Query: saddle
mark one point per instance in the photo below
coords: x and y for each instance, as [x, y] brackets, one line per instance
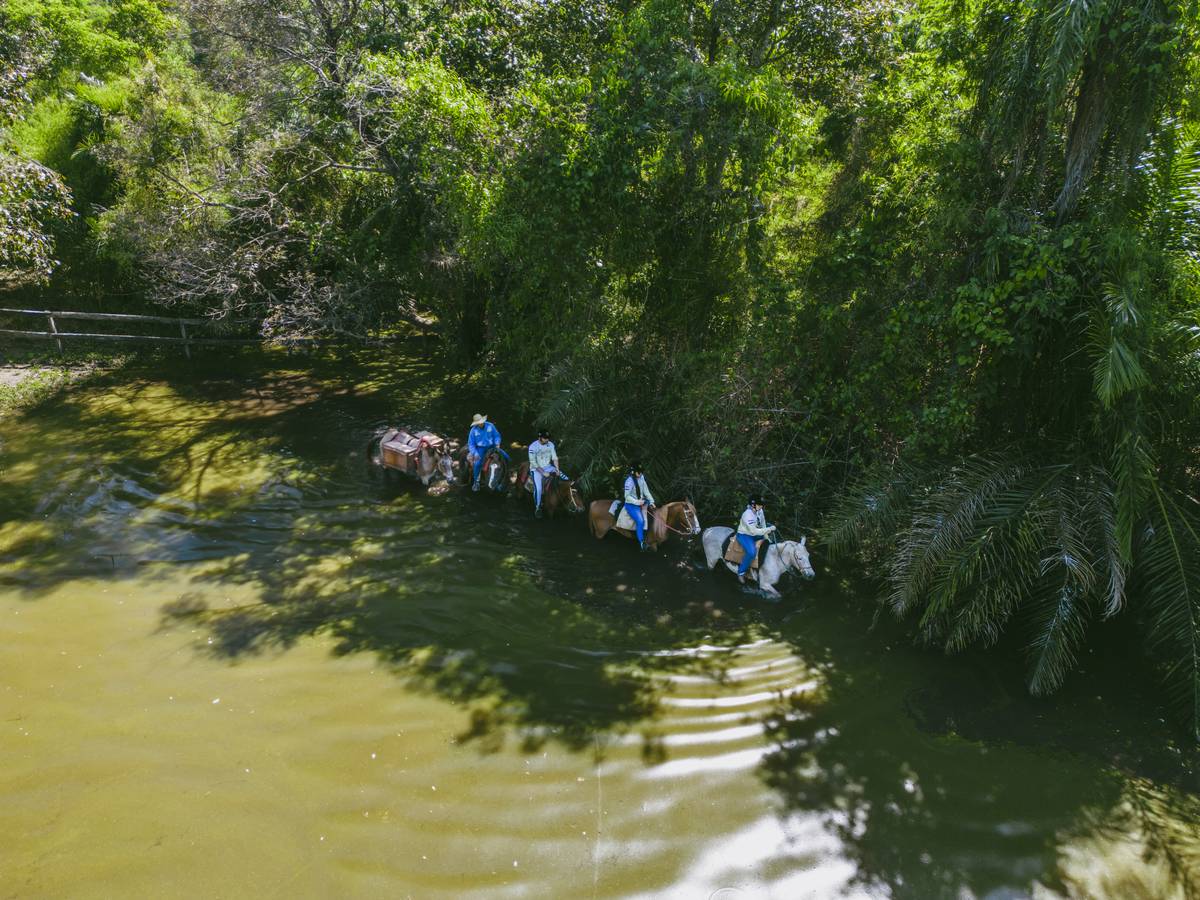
[733, 553]
[625, 520]
[400, 448]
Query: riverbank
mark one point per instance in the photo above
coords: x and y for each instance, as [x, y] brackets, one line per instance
[23, 386]
[33, 373]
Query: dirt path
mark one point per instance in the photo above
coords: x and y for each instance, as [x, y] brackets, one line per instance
[11, 376]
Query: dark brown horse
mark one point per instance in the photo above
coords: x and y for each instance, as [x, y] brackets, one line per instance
[677, 518]
[494, 473]
[557, 493]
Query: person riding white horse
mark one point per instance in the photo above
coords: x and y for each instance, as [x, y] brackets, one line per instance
[543, 464]
[752, 526]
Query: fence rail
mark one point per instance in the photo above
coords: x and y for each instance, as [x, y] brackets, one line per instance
[52, 315]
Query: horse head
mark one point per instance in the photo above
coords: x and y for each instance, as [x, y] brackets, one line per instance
[445, 466]
[574, 499]
[795, 555]
[690, 517]
[494, 463]
[427, 464]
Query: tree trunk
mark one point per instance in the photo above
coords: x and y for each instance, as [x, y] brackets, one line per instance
[1087, 128]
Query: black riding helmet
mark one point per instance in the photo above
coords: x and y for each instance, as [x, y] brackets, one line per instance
[755, 500]
[544, 434]
[635, 468]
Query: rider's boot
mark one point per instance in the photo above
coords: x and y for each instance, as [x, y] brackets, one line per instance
[475, 485]
[537, 512]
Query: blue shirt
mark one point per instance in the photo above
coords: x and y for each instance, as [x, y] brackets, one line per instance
[482, 437]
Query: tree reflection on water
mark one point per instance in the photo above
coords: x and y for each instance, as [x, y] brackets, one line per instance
[956, 811]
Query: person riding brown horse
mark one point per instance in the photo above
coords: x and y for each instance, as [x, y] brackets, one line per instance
[676, 518]
[558, 494]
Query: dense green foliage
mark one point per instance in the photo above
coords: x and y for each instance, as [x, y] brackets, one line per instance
[928, 268]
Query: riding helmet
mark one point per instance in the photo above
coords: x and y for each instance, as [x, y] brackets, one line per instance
[755, 500]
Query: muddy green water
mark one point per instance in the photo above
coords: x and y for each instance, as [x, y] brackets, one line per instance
[236, 661]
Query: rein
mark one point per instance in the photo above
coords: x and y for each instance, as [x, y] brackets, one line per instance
[668, 525]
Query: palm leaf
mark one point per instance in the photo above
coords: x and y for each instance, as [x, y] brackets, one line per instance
[1169, 573]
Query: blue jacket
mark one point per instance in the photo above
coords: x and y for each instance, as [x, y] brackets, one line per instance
[482, 437]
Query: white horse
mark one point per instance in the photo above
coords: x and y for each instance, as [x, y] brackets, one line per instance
[775, 559]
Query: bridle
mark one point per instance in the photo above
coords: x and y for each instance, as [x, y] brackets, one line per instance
[439, 465]
[572, 505]
[692, 520]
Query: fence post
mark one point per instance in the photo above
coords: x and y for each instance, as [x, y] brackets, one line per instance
[187, 347]
[54, 330]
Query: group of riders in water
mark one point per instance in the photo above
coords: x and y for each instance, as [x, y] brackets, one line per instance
[752, 551]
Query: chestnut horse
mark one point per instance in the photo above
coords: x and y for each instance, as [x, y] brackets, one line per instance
[557, 493]
[678, 517]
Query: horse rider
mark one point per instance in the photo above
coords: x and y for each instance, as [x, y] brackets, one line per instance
[637, 499]
[482, 437]
[752, 526]
[543, 464]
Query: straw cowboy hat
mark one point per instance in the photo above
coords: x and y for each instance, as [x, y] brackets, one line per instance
[478, 419]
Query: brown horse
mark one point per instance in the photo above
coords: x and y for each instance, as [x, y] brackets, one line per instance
[557, 493]
[678, 518]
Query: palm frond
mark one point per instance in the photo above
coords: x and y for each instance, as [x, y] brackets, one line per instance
[1059, 621]
[1169, 575]
[1073, 26]
[943, 522]
[872, 509]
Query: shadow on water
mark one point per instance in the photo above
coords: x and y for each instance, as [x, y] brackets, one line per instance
[940, 777]
[139, 465]
[520, 656]
[255, 475]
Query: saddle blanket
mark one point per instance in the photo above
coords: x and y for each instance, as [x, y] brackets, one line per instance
[625, 521]
[734, 552]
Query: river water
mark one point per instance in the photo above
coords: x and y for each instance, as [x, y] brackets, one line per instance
[236, 660]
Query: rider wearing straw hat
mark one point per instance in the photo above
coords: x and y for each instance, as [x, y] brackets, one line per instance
[482, 437]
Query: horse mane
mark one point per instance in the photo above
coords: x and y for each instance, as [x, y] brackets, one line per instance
[658, 524]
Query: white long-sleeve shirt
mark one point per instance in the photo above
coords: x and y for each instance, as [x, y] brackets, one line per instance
[631, 490]
[753, 523]
[542, 455]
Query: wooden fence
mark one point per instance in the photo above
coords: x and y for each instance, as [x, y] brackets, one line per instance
[53, 316]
